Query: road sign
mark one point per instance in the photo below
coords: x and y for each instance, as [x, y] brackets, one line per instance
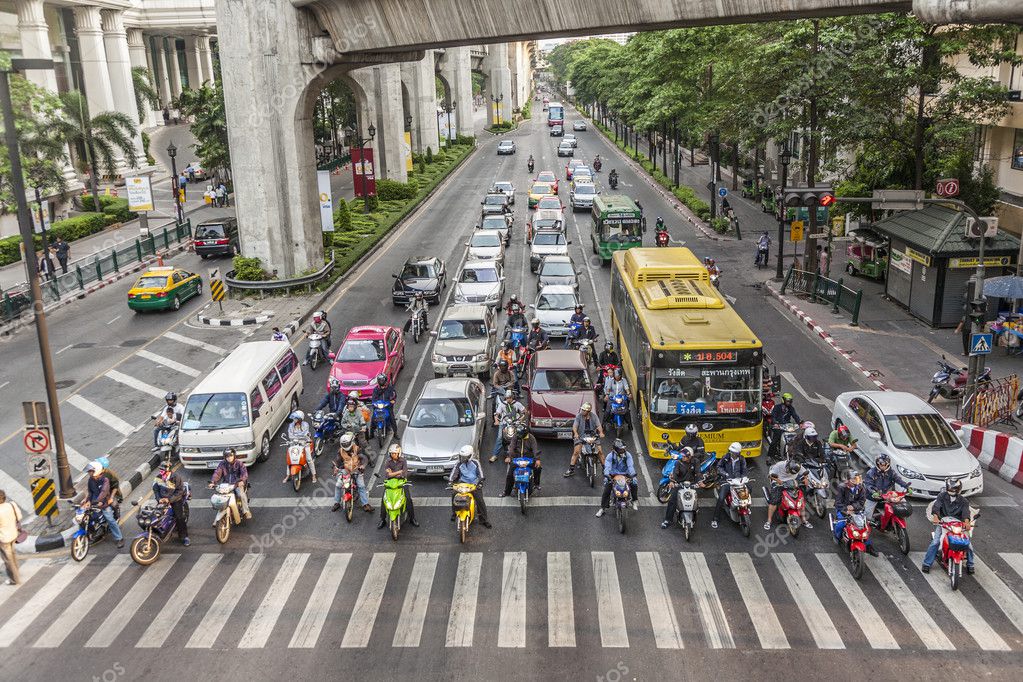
[796, 231]
[140, 193]
[217, 289]
[39, 466]
[980, 344]
[817, 235]
[44, 496]
[36, 441]
[948, 187]
[897, 199]
[722, 192]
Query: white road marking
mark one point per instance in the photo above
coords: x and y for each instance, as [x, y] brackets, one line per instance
[1014, 559]
[262, 623]
[40, 601]
[167, 362]
[102, 415]
[132, 382]
[4, 385]
[76, 459]
[817, 620]
[409, 630]
[367, 605]
[205, 635]
[511, 630]
[610, 611]
[462, 616]
[174, 607]
[909, 606]
[174, 336]
[129, 605]
[760, 608]
[818, 400]
[712, 614]
[114, 320]
[26, 569]
[318, 607]
[74, 614]
[1000, 593]
[444, 502]
[879, 636]
[658, 601]
[17, 492]
[560, 608]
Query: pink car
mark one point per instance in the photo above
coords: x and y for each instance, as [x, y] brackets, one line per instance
[366, 352]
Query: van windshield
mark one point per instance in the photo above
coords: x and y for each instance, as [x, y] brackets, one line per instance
[214, 411]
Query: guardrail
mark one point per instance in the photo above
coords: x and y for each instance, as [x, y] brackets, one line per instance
[285, 285]
[94, 268]
[825, 290]
[992, 402]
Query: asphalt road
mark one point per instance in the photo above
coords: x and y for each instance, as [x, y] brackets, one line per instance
[552, 594]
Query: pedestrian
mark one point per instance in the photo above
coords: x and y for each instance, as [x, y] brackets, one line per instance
[182, 183]
[964, 328]
[191, 173]
[166, 116]
[222, 195]
[63, 250]
[825, 262]
[176, 115]
[46, 268]
[10, 530]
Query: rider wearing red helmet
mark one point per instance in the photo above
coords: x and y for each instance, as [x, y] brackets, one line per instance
[842, 439]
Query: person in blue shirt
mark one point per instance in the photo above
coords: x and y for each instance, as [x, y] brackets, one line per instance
[949, 502]
[850, 499]
[100, 498]
[333, 400]
[618, 462]
[385, 391]
[880, 479]
[732, 465]
[468, 470]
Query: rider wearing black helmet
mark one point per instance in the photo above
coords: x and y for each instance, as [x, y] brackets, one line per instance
[333, 400]
[164, 418]
[522, 445]
[949, 503]
[503, 377]
[609, 356]
[385, 391]
[784, 473]
[232, 470]
[618, 462]
[880, 478]
[536, 335]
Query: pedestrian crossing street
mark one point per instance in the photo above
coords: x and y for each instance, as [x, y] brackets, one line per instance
[557, 599]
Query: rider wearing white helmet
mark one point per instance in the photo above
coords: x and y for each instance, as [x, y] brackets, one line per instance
[298, 429]
[468, 470]
[350, 457]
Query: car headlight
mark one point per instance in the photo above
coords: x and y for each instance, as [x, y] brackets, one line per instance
[976, 473]
[543, 421]
[481, 357]
[437, 358]
[492, 297]
[908, 473]
[247, 446]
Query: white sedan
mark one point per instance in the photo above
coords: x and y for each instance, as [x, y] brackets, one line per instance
[922, 446]
[554, 307]
[486, 245]
[506, 188]
[480, 282]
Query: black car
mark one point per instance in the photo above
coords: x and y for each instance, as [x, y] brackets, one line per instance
[216, 237]
[425, 274]
[557, 131]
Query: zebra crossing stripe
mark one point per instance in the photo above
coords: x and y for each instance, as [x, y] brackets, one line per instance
[821, 627]
[658, 601]
[74, 614]
[610, 611]
[462, 615]
[560, 609]
[35, 606]
[205, 636]
[315, 615]
[118, 618]
[417, 598]
[262, 623]
[1015, 561]
[1007, 601]
[872, 625]
[708, 604]
[367, 605]
[761, 611]
[168, 616]
[909, 606]
[511, 630]
[27, 570]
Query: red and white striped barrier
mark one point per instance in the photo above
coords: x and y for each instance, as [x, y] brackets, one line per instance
[999, 453]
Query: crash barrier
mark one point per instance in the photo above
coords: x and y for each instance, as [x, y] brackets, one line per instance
[280, 285]
[992, 402]
[998, 452]
[822, 289]
[94, 268]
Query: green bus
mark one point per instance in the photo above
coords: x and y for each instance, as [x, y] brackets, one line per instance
[618, 224]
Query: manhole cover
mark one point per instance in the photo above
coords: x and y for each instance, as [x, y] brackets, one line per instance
[132, 343]
[64, 383]
[80, 346]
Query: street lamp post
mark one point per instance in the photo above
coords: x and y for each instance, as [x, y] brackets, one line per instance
[784, 157]
[67, 488]
[497, 101]
[713, 175]
[172, 152]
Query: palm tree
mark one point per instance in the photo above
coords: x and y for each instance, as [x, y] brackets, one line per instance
[42, 153]
[205, 107]
[100, 136]
[145, 93]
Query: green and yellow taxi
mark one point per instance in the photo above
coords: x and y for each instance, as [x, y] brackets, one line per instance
[161, 288]
[539, 190]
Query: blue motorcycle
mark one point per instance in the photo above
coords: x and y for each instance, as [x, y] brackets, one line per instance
[619, 406]
[156, 521]
[523, 480]
[517, 337]
[674, 455]
[325, 430]
[575, 332]
[92, 527]
[381, 417]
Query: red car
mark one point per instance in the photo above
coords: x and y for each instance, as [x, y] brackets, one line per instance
[558, 383]
[548, 176]
[366, 352]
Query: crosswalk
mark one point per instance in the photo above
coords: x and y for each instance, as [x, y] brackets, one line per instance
[516, 599]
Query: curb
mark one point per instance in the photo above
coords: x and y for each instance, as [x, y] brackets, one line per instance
[998, 452]
[823, 334]
[234, 321]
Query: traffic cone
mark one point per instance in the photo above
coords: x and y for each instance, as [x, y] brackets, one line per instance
[159, 261]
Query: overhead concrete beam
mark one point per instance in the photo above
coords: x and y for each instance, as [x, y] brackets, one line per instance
[969, 11]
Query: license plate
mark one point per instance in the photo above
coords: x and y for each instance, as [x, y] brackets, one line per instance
[212, 465]
[145, 296]
[434, 470]
[564, 434]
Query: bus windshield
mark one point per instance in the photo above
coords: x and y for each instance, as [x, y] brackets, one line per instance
[680, 391]
[555, 113]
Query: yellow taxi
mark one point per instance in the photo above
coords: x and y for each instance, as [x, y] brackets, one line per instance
[539, 190]
[161, 288]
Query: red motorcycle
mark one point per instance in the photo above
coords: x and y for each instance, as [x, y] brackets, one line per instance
[603, 372]
[662, 238]
[893, 517]
[955, 544]
[790, 511]
[525, 355]
[854, 540]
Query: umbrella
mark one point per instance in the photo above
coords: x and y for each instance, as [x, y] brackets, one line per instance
[1008, 286]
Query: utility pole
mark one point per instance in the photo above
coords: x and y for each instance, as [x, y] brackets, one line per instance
[713, 175]
[810, 255]
[784, 157]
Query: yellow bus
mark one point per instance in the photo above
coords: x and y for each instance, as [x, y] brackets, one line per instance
[687, 354]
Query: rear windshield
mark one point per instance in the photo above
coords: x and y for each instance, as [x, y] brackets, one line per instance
[549, 202]
[496, 200]
[494, 223]
[561, 380]
[921, 432]
[209, 231]
[585, 189]
[557, 269]
[213, 411]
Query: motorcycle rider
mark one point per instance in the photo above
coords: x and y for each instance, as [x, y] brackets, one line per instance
[537, 335]
[616, 383]
[880, 479]
[278, 335]
[522, 445]
[170, 489]
[298, 429]
[530, 163]
[333, 400]
[468, 470]
[320, 326]
[503, 379]
[162, 421]
[808, 447]
[693, 440]
[612, 178]
[417, 305]
[350, 457]
[397, 467]
[233, 470]
[596, 163]
[516, 312]
[353, 420]
[509, 407]
[949, 502]
[586, 331]
[687, 468]
[783, 413]
[850, 500]
[618, 462]
[841, 439]
[781, 474]
[577, 316]
[385, 391]
[584, 422]
[101, 497]
[763, 248]
[609, 356]
[659, 224]
[732, 465]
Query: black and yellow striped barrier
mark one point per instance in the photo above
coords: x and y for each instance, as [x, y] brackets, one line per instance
[217, 289]
[44, 496]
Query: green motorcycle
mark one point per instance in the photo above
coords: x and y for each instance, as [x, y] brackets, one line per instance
[394, 503]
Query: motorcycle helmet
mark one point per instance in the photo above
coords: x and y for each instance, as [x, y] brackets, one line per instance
[532, 346]
[334, 384]
[354, 395]
[513, 299]
[578, 307]
[346, 440]
[509, 394]
[506, 345]
[535, 322]
[171, 397]
[735, 449]
[608, 346]
[710, 261]
[297, 415]
[521, 430]
[466, 453]
[619, 446]
[502, 363]
[317, 316]
[843, 431]
[586, 320]
[953, 486]
[229, 452]
[691, 429]
[883, 462]
[786, 397]
[792, 466]
[687, 452]
[351, 402]
[850, 477]
[618, 372]
[395, 449]
[381, 380]
[419, 296]
[587, 407]
[104, 462]
[94, 466]
[810, 433]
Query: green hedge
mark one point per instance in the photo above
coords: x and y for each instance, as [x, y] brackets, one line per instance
[249, 269]
[71, 229]
[388, 190]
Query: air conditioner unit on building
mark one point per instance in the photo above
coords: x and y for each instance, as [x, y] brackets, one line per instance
[987, 227]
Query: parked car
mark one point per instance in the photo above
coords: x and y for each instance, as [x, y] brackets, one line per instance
[922, 446]
[566, 149]
[163, 288]
[466, 341]
[420, 273]
[367, 351]
[554, 307]
[570, 138]
[558, 271]
[579, 125]
[549, 176]
[557, 131]
[582, 195]
[546, 243]
[505, 147]
[195, 171]
[495, 203]
[507, 188]
[502, 224]
[217, 237]
[480, 281]
[486, 245]
[557, 383]
[448, 415]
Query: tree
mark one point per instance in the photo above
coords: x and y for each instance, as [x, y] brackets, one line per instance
[145, 93]
[205, 106]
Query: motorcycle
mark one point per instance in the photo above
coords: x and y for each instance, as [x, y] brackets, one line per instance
[715, 279]
[344, 480]
[787, 435]
[619, 406]
[167, 442]
[225, 502]
[612, 180]
[621, 499]
[955, 545]
[525, 355]
[316, 351]
[517, 336]
[761, 260]
[297, 459]
[738, 502]
[685, 514]
[395, 503]
[529, 165]
[816, 494]
[674, 455]
[92, 527]
[950, 383]
[381, 417]
[156, 521]
[893, 517]
[586, 346]
[417, 325]
[464, 506]
[591, 457]
[854, 540]
[596, 164]
[523, 480]
[325, 430]
[790, 511]
[836, 461]
[662, 237]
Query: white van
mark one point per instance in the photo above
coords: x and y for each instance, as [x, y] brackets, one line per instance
[240, 404]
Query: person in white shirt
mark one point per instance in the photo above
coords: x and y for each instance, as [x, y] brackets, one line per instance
[298, 429]
[10, 520]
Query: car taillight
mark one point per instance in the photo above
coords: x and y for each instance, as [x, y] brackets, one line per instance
[160, 294]
[221, 241]
[131, 295]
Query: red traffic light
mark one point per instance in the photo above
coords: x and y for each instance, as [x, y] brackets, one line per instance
[827, 200]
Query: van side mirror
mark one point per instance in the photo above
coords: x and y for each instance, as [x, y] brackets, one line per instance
[403, 417]
[433, 333]
[255, 413]
[874, 435]
[331, 355]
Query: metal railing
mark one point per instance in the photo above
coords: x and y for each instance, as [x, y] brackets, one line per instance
[822, 289]
[94, 268]
[273, 285]
[992, 402]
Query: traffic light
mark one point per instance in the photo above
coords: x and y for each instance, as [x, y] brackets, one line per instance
[809, 197]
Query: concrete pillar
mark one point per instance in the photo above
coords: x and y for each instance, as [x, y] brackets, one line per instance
[139, 59]
[89, 29]
[420, 79]
[499, 84]
[205, 59]
[389, 142]
[35, 41]
[115, 41]
[174, 66]
[163, 77]
[192, 62]
[460, 80]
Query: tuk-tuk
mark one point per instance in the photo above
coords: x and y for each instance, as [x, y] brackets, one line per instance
[749, 191]
[868, 254]
[767, 200]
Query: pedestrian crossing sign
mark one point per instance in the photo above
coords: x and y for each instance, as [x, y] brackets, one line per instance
[980, 344]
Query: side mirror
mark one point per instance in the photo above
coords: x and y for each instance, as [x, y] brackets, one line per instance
[134, 503]
[331, 355]
[569, 241]
[481, 203]
[433, 333]
[467, 243]
[493, 332]
[477, 226]
[255, 413]
[502, 278]
[874, 435]
[403, 417]
[533, 306]
[394, 276]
